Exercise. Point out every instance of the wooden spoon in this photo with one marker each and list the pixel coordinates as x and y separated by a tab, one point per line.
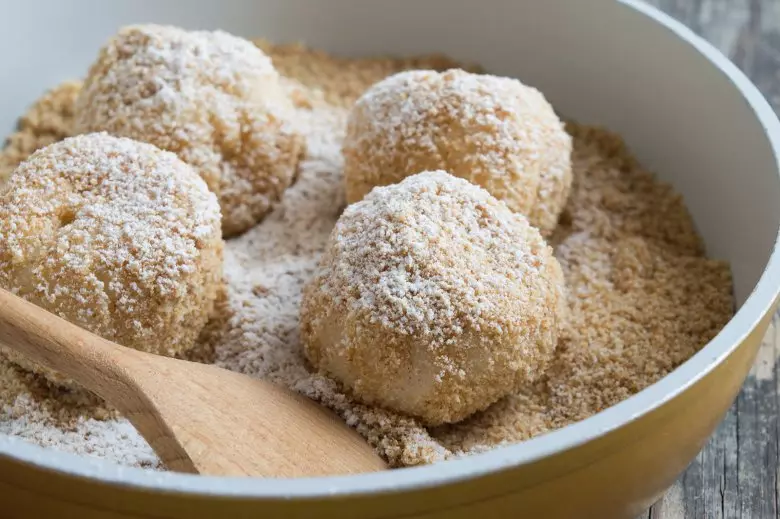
197	418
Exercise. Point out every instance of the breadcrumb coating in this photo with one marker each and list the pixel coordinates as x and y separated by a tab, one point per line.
433	299
115	236
49	120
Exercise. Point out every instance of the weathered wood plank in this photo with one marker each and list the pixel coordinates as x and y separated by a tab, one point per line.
720	22
757	435
766	61
776	340
726	437
672	505
691	494
687	11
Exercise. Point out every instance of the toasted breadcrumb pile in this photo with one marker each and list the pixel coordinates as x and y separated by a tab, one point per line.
642	296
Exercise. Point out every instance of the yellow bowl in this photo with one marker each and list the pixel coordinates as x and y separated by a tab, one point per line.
686	111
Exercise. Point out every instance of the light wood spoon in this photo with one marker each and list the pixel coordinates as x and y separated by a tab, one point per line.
197	418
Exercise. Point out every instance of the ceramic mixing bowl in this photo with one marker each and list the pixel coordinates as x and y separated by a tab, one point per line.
684	109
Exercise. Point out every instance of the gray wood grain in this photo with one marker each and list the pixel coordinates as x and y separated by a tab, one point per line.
736	474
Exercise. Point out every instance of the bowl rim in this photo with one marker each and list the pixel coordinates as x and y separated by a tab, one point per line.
758	303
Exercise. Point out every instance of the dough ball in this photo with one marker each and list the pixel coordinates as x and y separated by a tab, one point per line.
213	99
493	131
433	299
48	120
116	236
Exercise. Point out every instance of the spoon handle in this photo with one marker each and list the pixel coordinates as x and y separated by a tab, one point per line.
59	345
105	368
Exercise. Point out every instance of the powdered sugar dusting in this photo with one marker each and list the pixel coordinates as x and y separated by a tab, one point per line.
400	227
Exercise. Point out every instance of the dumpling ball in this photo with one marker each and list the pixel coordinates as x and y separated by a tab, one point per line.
212	98
494	131
115	236
433	299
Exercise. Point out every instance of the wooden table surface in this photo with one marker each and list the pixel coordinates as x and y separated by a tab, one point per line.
736	474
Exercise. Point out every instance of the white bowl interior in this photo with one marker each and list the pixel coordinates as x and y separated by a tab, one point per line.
686	113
